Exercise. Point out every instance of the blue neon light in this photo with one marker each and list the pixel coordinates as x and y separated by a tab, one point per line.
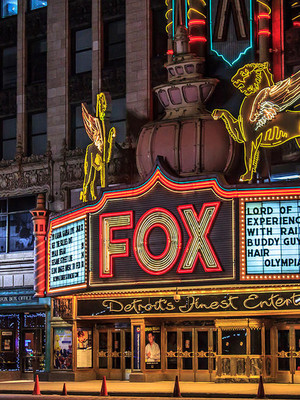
242	53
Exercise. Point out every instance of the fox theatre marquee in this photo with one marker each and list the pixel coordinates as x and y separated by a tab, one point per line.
192	263
160	233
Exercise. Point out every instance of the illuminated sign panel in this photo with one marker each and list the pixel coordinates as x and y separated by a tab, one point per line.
162	232
67	255
270	243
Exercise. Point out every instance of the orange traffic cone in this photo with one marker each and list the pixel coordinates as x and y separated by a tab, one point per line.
64	391
261	390
36	389
103	387
176	391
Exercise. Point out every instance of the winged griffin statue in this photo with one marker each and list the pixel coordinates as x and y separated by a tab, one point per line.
265	117
98	153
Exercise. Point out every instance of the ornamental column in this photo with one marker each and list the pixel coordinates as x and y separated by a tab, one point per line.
39	219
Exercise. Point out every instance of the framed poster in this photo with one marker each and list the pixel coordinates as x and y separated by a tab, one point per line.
84	348
62	348
152	348
7	341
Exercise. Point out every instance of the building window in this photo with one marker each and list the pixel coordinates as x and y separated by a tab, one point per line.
16	228
37	61
114	42
34	4
9	67
82	45
79	137
118	118
8	138
37	133
8	8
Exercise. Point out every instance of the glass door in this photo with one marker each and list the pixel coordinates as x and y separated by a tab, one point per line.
33	350
114	353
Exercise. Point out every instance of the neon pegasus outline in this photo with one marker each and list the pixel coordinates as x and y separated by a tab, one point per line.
264	118
98	153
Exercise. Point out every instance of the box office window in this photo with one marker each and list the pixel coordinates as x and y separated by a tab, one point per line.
37	133
9	342
9	8
16	229
8	138
234	342
63	348
9	67
82	50
37	61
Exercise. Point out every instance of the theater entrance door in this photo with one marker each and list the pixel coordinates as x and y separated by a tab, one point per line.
191	353
114	353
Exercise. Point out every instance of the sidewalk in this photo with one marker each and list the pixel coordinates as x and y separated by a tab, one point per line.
125	390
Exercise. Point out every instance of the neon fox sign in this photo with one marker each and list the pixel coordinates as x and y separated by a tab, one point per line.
198	246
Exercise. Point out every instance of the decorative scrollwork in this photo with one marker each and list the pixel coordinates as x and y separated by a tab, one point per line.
202	354
283	354
186	354
102	353
171	354
115	354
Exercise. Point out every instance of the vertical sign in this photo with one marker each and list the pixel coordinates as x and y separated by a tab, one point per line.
137	347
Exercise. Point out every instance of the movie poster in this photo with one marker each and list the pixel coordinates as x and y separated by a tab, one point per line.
7	341
62	348
152	348
84	348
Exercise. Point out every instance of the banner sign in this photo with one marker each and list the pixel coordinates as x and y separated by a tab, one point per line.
270	245
219	303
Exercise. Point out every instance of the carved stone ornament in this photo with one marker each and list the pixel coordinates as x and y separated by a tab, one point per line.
26	175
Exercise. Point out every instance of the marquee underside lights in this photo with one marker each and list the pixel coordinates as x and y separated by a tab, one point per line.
270	244
231	20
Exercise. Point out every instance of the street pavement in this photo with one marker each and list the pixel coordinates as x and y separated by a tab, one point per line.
123	390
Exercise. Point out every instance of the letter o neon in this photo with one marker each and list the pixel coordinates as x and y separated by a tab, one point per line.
157	264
